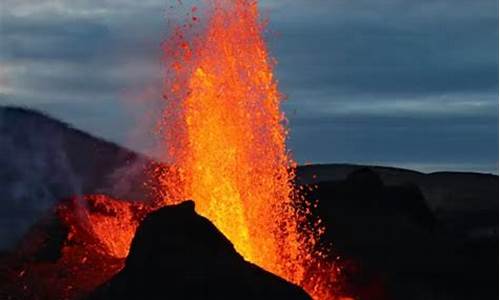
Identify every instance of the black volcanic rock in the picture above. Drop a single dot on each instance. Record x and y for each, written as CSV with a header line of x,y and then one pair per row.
x,y
375,223
177,254
395,240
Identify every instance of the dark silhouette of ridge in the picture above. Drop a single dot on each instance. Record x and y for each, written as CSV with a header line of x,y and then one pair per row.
x,y
178,254
397,240
448,194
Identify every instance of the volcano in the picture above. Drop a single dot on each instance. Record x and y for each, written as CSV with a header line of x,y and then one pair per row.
x,y
256,227
397,236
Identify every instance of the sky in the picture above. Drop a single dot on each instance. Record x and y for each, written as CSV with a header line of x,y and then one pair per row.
x,y
391,82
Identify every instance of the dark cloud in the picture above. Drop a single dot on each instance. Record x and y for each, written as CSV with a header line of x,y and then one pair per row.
x,y
51,39
397,82
375,56
412,83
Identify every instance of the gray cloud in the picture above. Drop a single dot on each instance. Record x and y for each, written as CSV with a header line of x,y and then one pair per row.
x,y
397,50
396,81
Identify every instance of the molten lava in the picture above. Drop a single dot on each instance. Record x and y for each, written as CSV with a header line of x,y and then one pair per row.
x,y
226,141
229,144
79,246
112,222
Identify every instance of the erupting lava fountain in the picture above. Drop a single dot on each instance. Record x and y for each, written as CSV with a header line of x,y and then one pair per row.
x,y
225,139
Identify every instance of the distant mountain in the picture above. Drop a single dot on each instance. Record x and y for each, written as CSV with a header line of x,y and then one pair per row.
x,y
43,160
462,200
443,190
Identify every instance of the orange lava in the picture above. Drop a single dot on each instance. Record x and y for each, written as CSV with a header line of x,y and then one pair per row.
x,y
93,234
226,141
112,222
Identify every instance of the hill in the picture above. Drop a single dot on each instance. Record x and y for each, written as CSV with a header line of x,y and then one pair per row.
x,y
44,160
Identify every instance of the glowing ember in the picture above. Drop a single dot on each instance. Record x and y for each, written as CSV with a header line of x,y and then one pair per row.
x,y
112,223
224,132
